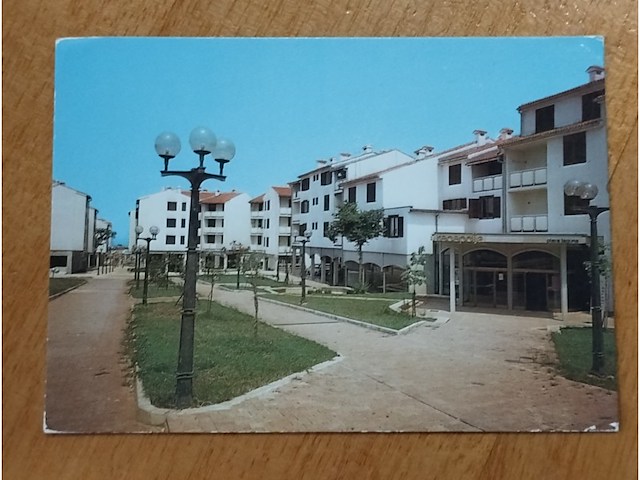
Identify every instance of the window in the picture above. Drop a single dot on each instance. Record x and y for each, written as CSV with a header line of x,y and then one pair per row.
x,y
341,174
302,228
545,119
259,240
172,206
304,206
484,207
170,240
352,195
315,177
572,204
288,221
288,241
455,174
268,205
314,226
314,201
326,203
575,148
266,241
183,223
210,239
325,229
184,206
171,222
289,203
590,107
325,178
454,204
181,239
371,192
305,184
394,226
267,223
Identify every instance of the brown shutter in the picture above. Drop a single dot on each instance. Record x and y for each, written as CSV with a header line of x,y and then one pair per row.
x,y
474,208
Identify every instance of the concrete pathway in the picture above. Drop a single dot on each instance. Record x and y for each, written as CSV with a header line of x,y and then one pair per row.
x,y
478,372
87,389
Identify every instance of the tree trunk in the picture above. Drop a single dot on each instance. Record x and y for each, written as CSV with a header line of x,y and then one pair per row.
x,y
255,306
360,267
413,302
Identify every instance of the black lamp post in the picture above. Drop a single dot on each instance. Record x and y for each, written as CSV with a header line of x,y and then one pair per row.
x,y
154,233
588,191
203,142
303,265
136,275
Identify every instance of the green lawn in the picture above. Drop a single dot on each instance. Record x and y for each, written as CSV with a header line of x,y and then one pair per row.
x,y
155,291
229,359
573,347
231,278
60,284
350,306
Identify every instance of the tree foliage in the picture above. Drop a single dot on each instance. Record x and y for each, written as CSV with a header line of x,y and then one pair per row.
x,y
415,274
357,226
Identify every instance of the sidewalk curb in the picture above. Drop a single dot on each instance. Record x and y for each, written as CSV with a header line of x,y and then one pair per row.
x,y
156,416
59,294
370,326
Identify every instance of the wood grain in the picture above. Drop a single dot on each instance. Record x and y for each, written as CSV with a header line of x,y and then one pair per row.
x,y
30,30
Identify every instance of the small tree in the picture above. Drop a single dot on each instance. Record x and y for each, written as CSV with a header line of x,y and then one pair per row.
x,y
213,276
415,275
357,226
251,268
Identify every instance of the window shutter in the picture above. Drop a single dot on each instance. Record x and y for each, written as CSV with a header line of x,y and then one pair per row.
x,y
474,208
387,226
400,226
496,207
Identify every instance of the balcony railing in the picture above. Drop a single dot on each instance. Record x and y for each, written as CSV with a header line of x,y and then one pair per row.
x,y
257,213
284,231
216,214
285,211
256,230
529,223
528,178
212,230
493,182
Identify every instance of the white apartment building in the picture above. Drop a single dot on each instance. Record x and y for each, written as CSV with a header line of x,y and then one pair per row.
x,y
102,224
514,241
271,226
223,219
404,187
72,229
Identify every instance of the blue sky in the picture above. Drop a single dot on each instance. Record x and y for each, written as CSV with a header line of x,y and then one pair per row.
x,y
285,102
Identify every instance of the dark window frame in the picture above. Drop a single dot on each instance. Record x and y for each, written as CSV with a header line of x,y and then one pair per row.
x,y
304,184
326,203
572,202
591,109
172,206
485,208
545,118
394,226
574,149
326,177
455,174
171,223
371,192
170,240
351,195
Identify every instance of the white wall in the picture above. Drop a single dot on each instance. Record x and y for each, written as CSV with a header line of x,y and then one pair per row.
x,y
68,217
237,223
153,211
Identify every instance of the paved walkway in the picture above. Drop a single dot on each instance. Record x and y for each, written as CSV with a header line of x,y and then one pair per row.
x,y
478,372
87,390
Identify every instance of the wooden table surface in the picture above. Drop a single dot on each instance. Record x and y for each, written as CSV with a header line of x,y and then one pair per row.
x,y
30,30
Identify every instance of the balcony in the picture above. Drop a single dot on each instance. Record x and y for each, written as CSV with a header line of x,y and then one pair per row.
x,y
257,213
285,211
484,184
529,223
528,178
284,250
216,214
212,230
284,231
257,230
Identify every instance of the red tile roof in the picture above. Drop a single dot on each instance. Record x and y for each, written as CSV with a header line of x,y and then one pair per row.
x,y
574,127
283,191
213,197
595,85
258,199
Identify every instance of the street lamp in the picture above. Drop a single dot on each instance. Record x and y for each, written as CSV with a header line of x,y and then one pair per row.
x,y
588,191
138,231
303,265
203,142
154,233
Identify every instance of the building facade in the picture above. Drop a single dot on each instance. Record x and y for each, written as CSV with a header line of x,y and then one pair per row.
x,y
223,223
271,226
72,229
516,242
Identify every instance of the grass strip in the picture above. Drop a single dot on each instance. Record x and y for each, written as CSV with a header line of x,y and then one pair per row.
x,y
573,348
229,360
377,313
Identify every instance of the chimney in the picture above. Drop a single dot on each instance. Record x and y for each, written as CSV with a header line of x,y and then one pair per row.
x,y
367,149
216,193
505,134
481,136
321,162
344,156
595,73
422,152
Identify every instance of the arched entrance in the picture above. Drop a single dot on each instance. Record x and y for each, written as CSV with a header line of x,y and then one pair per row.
x,y
485,279
536,281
